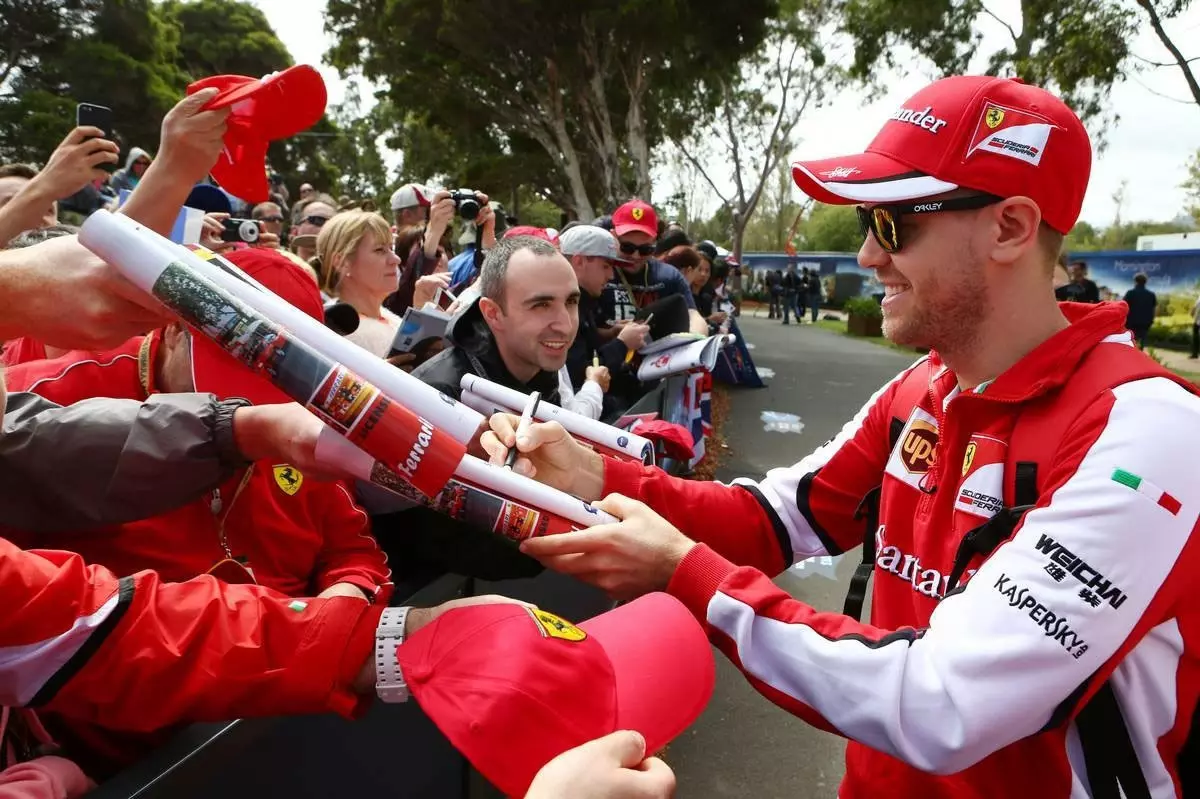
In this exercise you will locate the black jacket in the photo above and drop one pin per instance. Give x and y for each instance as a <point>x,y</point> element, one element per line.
<point>422,543</point>
<point>588,345</point>
<point>472,351</point>
<point>1142,303</point>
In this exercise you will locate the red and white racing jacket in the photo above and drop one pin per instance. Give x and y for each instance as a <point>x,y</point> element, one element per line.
<point>970,694</point>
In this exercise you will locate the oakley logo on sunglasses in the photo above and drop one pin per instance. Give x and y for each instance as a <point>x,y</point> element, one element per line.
<point>927,207</point>
<point>922,119</point>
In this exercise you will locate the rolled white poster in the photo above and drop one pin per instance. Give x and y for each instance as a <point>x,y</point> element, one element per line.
<point>131,247</point>
<point>613,439</point>
<point>700,354</point>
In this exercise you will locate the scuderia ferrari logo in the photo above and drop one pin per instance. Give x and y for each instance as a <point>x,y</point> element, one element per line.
<point>554,627</point>
<point>993,117</point>
<point>637,214</point>
<point>288,478</point>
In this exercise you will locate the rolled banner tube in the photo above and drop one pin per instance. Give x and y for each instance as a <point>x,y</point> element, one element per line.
<point>480,494</point>
<point>621,443</point>
<point>130,247</point>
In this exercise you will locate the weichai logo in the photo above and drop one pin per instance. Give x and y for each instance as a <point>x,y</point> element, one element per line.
<point>916,451</point>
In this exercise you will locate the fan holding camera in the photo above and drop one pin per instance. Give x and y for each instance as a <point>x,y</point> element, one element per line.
<point>430,254</point>
<point>222,232</point>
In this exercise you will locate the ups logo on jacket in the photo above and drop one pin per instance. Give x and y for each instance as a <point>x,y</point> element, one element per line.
<point>913,454</point>
<point>917,445</point>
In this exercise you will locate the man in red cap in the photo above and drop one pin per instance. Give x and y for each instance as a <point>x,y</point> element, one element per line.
<point>641,279</point>
<point>1025,494</point>
<point>269,524</point>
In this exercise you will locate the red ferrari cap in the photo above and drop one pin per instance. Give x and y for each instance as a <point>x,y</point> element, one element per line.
<point>545,234</point>
<point>513,687</point>
<point>276,107</point>
<point>215,371</point>
<point>635,216</point>
<point>995,135</point>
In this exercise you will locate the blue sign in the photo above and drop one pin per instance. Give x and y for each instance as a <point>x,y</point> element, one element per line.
<point>1167,271</point>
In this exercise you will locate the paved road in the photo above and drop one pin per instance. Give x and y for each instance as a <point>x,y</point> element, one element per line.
<point>743,746</point>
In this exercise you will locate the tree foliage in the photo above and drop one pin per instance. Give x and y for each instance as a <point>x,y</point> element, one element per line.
<point>758,109</point>
<point>586,82</point>
<point>830,228</point>
<point>1077,48</point>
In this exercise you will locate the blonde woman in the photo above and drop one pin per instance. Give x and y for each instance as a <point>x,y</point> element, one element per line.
<point>360,268</point>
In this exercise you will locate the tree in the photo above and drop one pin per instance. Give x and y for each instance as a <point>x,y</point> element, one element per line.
<point>118,53</point>
<point>1077,48</point>
<point>781,208</point>
<point>225,37</point>
<point>830,228</point>
<point>759,108</point>
<point>1156,12</point>
<point>584,81</point>
<point>1191,185</point>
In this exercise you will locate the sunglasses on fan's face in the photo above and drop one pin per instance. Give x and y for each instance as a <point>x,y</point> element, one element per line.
<point>629,248</point>
<point>883,221</point>
<point>271,218</point>
<point>316,221</point>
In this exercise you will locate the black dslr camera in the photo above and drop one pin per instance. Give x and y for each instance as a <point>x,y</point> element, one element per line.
<point>466,202</point>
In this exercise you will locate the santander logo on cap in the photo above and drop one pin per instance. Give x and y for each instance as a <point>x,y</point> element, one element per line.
<point>925,118</point>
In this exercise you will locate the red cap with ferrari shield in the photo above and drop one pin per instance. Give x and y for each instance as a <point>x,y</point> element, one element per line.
<point>994,135</point>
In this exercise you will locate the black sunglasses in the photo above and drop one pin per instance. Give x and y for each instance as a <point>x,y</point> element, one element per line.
<point>272,218</point>
<point>883,221</point>
<point>316,221</point>
<point>629,248</point>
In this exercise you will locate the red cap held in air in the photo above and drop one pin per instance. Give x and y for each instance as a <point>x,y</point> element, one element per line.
<point>276,107</point>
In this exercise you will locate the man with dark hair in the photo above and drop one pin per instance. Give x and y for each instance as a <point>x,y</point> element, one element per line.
<point>518,334</point>
<point>1080,289</point>
<point>642,279</point>
<point>1142,303</point>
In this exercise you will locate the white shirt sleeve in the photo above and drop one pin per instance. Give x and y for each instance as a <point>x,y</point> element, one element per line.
<point>588,402</point>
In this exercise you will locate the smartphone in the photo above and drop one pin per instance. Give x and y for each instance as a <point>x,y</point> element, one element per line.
<point>96,116</point>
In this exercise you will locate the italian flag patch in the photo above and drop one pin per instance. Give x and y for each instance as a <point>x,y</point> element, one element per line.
<point>1148,489</point>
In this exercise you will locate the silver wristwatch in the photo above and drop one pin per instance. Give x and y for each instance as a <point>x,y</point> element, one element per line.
<point>389,681</point>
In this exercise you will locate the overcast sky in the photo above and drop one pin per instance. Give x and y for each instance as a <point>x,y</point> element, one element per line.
<point>1147,147</point>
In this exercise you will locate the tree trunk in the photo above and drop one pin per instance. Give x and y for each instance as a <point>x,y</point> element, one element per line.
<point>635,126</point>
<point>556,140</point>
<point>597,118</point>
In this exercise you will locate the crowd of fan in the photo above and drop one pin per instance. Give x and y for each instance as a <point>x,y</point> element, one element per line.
<point>208,491</point>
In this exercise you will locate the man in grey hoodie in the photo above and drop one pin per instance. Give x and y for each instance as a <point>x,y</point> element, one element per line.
<point>136,165</point>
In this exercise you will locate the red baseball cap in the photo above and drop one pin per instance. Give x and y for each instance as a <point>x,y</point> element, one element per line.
<point>513,687</point>
<point>635,216</point>
<point>995,135</point>
<point>276,107</point>
<point>545,234</point>
<point>215,371</point>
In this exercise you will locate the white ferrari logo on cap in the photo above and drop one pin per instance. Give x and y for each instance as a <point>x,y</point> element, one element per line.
<point>1012,133</point>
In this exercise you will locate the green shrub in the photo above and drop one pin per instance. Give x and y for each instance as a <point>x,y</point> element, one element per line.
<point>863,306</point>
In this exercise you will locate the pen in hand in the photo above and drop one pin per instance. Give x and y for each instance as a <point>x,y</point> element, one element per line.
<point>523,426</point>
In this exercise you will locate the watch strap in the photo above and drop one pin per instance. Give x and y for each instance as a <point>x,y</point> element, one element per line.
<point>389,681</point>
